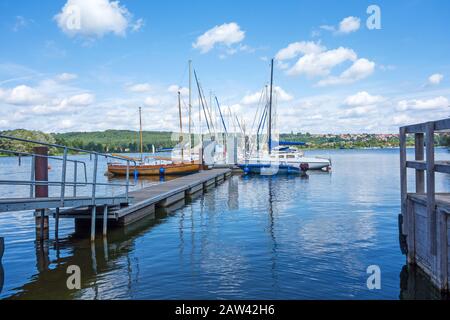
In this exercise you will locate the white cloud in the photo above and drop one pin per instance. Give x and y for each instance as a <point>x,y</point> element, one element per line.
<point>225,34</point>
<point>175,89</point>
<point>328,28</point>
<point>138,25</point>
<point>66,76</point>
<point>435,78</point>
<point>359,111</point>
<point>349,24</point>
<point>151,102</point>
<point>140,87</point>
<point>320,64</point>
<point>402,119</point>
<point>84,99</point>
<point>422,105</point>
<point>20,23</point>
<point>21,95</point>
<point>255,98</point>
<point>346,26</point>
<point>281,95</point>
<point>95,18</point>
<point>297,48</point>
<point>362,98</point>
<point>60,107</point>
<point>360,69</point>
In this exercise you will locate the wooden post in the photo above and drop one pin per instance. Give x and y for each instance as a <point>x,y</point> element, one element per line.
<point>431,203</point>
<point>420,174</point>
<point>403,172</point>
<point>442,257</point>
<point>411,234</point>
<point>41,191</point>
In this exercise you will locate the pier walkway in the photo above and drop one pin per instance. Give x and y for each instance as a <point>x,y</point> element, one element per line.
<point>117,210</point>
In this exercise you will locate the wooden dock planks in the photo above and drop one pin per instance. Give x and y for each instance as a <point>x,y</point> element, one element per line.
<point>167,193</point>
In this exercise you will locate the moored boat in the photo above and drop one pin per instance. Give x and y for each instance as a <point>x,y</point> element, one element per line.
<point>154,169</point>
<point>278,159</point>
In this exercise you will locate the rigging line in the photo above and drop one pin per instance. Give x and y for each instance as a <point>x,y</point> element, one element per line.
<point>221,116</point>
<point>239,124</point>
<point>257,110</point>
<point>209,111</point>
<point>201,101</point>
<point>205,107</point>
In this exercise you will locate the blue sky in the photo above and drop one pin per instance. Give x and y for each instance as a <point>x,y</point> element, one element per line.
<point>333,74</point>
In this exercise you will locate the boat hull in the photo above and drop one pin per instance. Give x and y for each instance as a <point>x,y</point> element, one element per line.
<point>266,169</point>
<point>154,170</point>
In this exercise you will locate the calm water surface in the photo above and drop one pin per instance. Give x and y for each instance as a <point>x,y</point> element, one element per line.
<point>252,237</point>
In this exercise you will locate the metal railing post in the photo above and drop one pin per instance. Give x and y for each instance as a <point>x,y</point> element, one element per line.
<point>63,177</point>
<point>128,180</point>
<point>94,208</point>
<point>75,174</point>
<point>32,180</point>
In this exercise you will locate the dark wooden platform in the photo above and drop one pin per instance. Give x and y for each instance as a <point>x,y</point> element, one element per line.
<point>143,202</point>
<point>168,193</point>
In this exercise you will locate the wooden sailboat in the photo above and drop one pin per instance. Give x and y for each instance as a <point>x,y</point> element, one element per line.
<point>155,169</point>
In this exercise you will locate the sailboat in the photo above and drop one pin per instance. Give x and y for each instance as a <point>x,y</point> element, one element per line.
<point>280,159</point>
<point>149,166</point>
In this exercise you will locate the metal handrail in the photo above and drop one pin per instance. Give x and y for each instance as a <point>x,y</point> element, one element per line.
<point>64,147</point>
<point>58,183</point>
<point>33,156</point>
<point>63,183</point>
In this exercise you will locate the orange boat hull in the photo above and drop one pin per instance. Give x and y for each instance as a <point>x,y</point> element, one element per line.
<point>154,170</point>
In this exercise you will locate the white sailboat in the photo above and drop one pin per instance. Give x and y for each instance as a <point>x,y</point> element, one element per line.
<point>280,159</point>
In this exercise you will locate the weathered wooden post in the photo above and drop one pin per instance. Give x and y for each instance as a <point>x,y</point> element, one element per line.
<point>419,155</point>
<point>41,191</point>
<point>403,172</point>
<point>431,201</point>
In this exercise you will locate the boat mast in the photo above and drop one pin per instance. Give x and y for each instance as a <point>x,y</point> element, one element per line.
<point>190,105</point>
<point>270,108</point>
<point>181,126</point>
<point>140,133</point>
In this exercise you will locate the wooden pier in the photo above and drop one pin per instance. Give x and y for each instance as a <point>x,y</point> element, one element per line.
<point>121,210</point>
<point>425,225</point>
<point>143,202</point>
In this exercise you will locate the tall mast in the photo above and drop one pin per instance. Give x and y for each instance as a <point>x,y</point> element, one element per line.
<point>140,133</point>
<point>190,105</point>
<point>181,126</point>
<point>270,108</point>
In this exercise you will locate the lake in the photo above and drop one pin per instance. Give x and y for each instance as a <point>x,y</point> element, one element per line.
<point>281,237</point>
